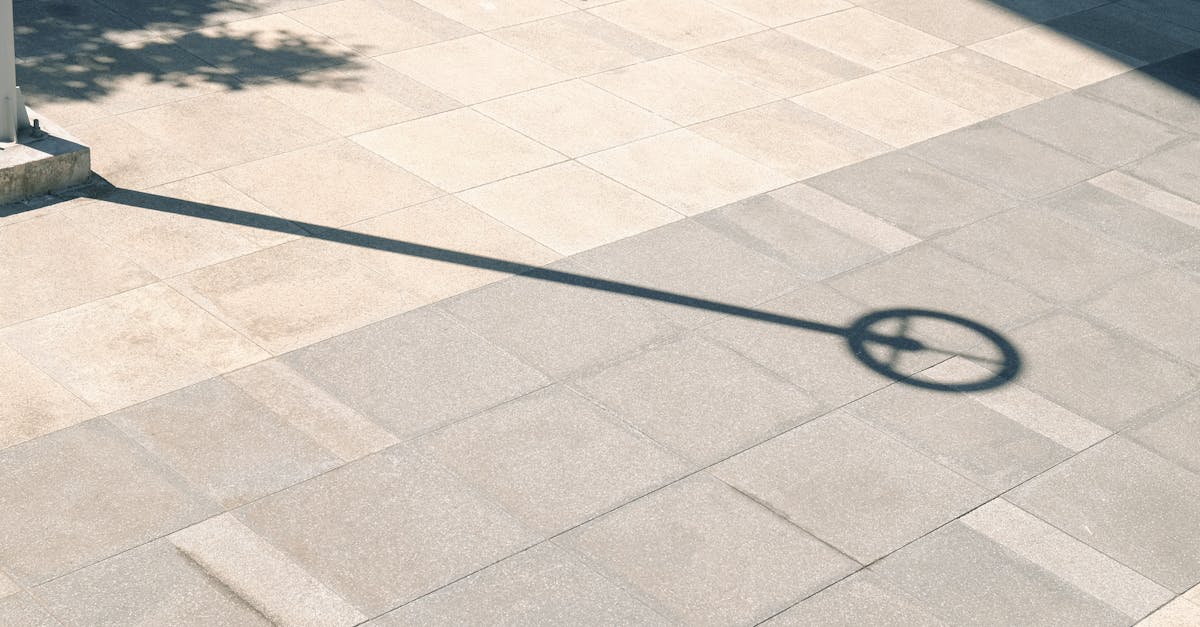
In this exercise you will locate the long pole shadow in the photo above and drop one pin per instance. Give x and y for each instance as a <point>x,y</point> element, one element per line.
<point>859,335</point>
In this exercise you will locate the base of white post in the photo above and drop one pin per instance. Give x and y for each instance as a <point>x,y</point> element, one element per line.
<point>52,161</point>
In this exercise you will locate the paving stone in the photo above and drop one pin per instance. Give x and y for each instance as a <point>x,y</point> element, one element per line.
<point>965,577</point>
<point>1100,497</point>
<point>580,43</point>
<point>966,79</point>
<point>415,372</point>
<point>1133,33</point>
<point>561,328</point>
<point>1172,434</point>
<point>860,600</point>
<point>1171,169</point>
<point>1177,613</point>
<point>21,609</point>
<point>137,160</point>
<point>1168,98</point>
<point>1055,56</point>
<point>1045,10</point>
<point>1150,197</point>
<point>83,494</point>
<point>699,399</point>
<point>553,458</point>
<point>264,46</point>
<point>1155,231</point>
<point>963,22</point>
<point>677,24</point>
<point>910,193</point>
<point>850,485</point>
<point>374,28</point>
<point>691,261</point>
<point>486,17</point>
<point>777,63</point>
<point>386,529</point>
<point>867,38</point>
<point>1182,13</point>
<point>224,441</point>
<point>1005,160</point>
<point>543,585</point>
<point>846,218</point>
<point>1095,130</point>
<point>780,12</point>
<point>701,553</point>
<point>153,584</point>
<point>1160,308</point>
<point>1051,257</point>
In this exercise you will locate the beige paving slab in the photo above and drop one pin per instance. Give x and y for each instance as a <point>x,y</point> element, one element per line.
<point>887,109</point>
<point>180,226</point>
<point>473,69</point>
<point>972,61</point>
<point>1149,196</point>
<point>1043,51</point>
<point>294,294</point>
<point>685,171</point>
<point>491,15</point>
<point>136,75</point>
<point>21,609</point>
<point>360,97</point>
<point>569,208</point>
<point>48,264</point>
<point>264,46</point>
<point>681,89</point>
<point>846,218</point>
<point>963,22</point>
<point>1178,613</point>
<point>450,224</point>
<point>132,346</point>
<point>580,43</point>
<point>227,128</point>
<point>329,422</point>
<point>331,184</point>
<point>128,157</point>
<point>1069,559</point>
<point>374,27</point>
<point>261,575</point>
<point>780,12</point>
<point>791,139</point>
<point>677,24</point>
<point>777,63</point>
<point>575,117</point>
<point>867,38</point>
<point>964,83</point>
<point>34,405</point>
<point>458,149</point>
<point>8,586</point>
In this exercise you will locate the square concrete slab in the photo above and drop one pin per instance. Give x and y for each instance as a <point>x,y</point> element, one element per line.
<point>575,117</point>
<point>224,441</point>
<point>1005,160</point>
<point>569,208</point>
<point>458,149</point>
<point>386,529</point>
<point>99,350</point>
<point>553,458</point>
<point>677,24</point>
<point>561,328</point>
<point>415,372</point>
<point>1155,230</point>
<point>851,485</point>
<point>860,600</point>
<point>83,494</point>
<point>700,399</point>
<point>867,38</point>
<point>690,260</point>
<point>1098,496</point>
<point>1160,308</point>
<point>685,171</point>
<point>1172,434</point>
<point>702,553</point>
<point>1170,169</point>
<point>916,196</point>
<point>580,43</point>
<point>777,63</point>
<point>1099,374</point>
<point>34,404</point>
<point>1056,56</point>
<point>374,28</point>
<point>543,585</point>
<point>153,584</point>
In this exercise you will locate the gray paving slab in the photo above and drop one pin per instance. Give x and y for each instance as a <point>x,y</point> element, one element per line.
<point>20,609</point>
<point>688,258</point>
<point>699,399</point>
<point>544,585</point>
<point>416,371</point>
<point>1144,35</point>
<point>1102,375</point>
<point>553,458</point>
<point>386,529</point>
<point>1096,130</point>
<point>1049,256</point>
<point>1163,95</point>
<point>851,485</point>
<point>1102,497</point>
<point>912,194</point>
<point>703,554</point>
<point>82,494</point>
<point>224,441</point>
<point>860,600</point>
<point>1173,434</point>
<point>1005,160</point>
<point>151,585</point>
<point>560,328</point>
<point>1160,307</point>
<point>1173,169</point>
<point>1138,227</point>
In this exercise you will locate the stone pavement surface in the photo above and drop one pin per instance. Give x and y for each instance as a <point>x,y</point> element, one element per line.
<point>636,312</point>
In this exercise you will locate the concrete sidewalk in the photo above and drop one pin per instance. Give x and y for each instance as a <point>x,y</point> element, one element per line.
<point>647,311</point>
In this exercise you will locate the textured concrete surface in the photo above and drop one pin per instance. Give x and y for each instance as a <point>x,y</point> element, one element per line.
<point>809,312</point>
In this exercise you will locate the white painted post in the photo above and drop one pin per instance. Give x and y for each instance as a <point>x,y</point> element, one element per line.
<point>10,102</point>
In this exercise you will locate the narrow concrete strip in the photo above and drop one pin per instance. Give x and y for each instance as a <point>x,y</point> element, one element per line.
<point>341,430</point>
<point>1067,558</point>
<point>1025,407</point>
<point>846,218</point>
<point>262,576</point>
<point>1149,196</point>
